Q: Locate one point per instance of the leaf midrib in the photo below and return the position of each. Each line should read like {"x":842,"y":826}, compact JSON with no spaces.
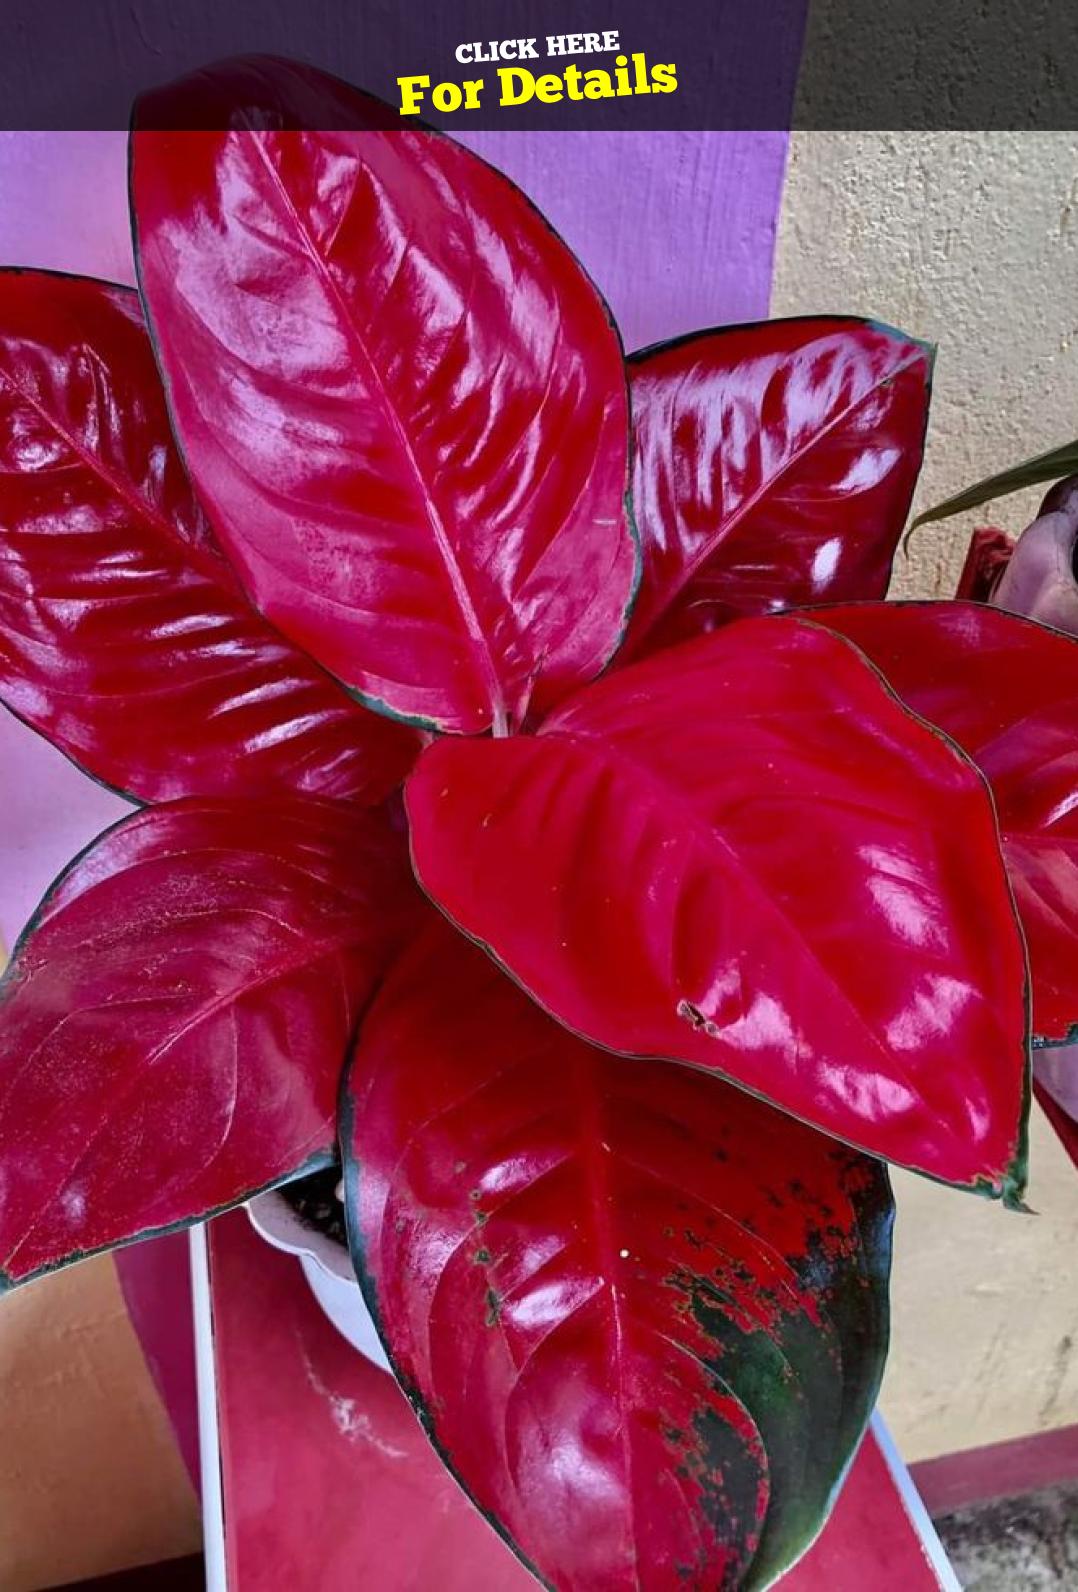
{"x":205,"y":562}
{"x":597,"y":1174}
{"x":714,"y":839}
{"x":313,"y":955}
{"x":711,"y":545}
{"x":457,"y":581}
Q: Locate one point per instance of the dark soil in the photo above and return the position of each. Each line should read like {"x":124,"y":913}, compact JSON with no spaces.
{"x":1027,"y":1544}
{"x":315,"y":1203}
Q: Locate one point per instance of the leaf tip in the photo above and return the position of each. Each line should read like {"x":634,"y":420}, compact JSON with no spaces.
{"x":896,"y":334}
{"x":1013,"y":1190}
{"x":1010,"y":1188}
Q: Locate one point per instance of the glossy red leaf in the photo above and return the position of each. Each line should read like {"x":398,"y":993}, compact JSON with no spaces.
{"x":987,"y":556}
{"x":174,"y":1021}
{"x":1006,"y":689}
{"x":774,"y":467}
{"x":745,"y":854}
{"x":642,"y":1315}
{"x":124,"y":637}
{"x":399,"y":395}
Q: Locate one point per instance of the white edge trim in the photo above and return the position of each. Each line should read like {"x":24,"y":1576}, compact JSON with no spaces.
{"x":209,"y":1450}
{"x":213,"y":1524}
{"x":913,"y":1504}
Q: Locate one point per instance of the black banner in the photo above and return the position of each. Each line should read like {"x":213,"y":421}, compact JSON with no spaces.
{"x":607,"y":65}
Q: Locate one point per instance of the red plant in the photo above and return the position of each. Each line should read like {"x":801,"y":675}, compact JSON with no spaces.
{"x":641,"y":1311}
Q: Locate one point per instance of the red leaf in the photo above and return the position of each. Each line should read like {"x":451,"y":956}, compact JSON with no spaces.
{"x":774,"y":467}
{"x":987,"y":557}
{"x":642,"y":1316}
{"x":123,"y":635}
{"x":399,"y":395}
{"x":176,"y":1017}
{"x":1006,"y":689}
{"x":746,"y":855}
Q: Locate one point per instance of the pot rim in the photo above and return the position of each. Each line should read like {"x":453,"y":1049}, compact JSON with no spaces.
{"x":273,"y":1219}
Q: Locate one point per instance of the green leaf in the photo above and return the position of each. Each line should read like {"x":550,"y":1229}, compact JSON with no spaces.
{"x":641,"y":1315}
{"x":1045,"y":467}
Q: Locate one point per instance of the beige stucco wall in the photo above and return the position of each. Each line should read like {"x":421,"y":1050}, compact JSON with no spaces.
{"x":91,"y":1479}
{"x":969,"y":240}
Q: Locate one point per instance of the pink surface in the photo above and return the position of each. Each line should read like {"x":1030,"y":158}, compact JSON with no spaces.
{"x":869,"y":1541}
{"x":63,"y":203}
{"x":304,"y":1419}
{"x":999,"y":1470}
{"x":328,"y":1481}
{"x":156,"y":1281}
{"x":50,"y":812}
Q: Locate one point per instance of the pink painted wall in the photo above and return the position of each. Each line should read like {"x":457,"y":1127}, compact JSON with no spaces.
{"x":677,"y":228}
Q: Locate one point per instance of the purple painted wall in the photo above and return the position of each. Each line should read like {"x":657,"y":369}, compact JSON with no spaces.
{"x":677,"y":229}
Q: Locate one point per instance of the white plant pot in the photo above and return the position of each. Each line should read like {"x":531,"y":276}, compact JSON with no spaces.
{"x":326,"y":1267}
